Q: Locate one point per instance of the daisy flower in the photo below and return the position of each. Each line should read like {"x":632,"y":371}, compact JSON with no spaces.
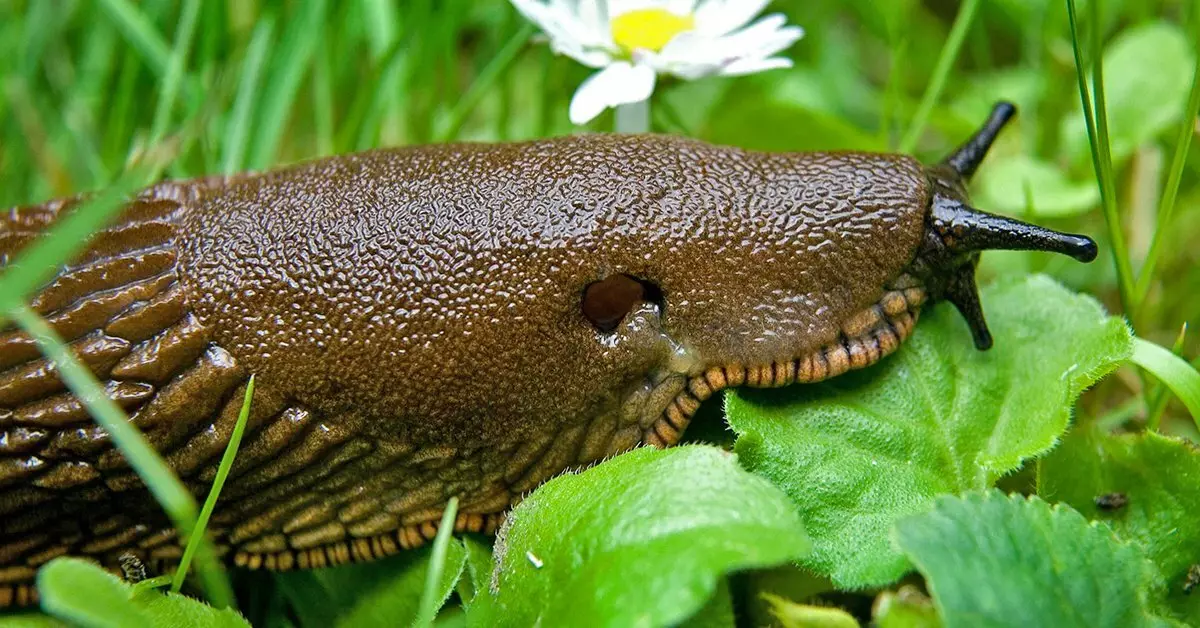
{"x":631,"y":42}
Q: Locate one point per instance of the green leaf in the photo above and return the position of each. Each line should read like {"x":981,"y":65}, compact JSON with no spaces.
{"x":479,"y":570}
{"x":996,"y":560}
{"x":1004,"y":183}
{"x":82,"y":593}
{"x":170,"y":610}
{"x":1160,"y":479}
{"x":1181,"y":377}
{"x":864,"y":449}
{"x":640,"y":540}
{"x":1148,"y":72}
{"x":379,"y":593}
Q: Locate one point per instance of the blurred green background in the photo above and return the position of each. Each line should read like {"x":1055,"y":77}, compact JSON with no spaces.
{"x":90,"y":86}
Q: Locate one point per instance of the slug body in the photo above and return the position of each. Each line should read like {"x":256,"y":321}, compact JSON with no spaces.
{"x":460,"y":320}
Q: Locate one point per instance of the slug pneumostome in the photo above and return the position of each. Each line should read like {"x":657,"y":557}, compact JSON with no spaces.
{"x":461,"y":320}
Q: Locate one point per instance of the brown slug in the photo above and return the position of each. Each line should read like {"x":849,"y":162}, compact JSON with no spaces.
{"x":460,"y":320}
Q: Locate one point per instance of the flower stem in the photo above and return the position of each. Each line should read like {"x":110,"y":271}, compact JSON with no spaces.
{"x":633,"y":117}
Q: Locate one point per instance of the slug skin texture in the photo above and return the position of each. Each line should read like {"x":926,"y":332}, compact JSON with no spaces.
{"x":460,"y":320}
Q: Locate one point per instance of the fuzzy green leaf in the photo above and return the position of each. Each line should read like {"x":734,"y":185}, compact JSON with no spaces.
{"x":640,"y":540}
{"x":864,"y":449}
{"x":82,"y":593}
{"x":379,"y":593}
{"x":996,"y":560}
{"x":1159,"y":479}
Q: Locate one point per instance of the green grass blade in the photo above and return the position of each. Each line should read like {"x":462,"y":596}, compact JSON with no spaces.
{"x":1112,"y":216}
{"x":950,"y":50}
{"x":247,"y":95}
{"x":323,"y":100}
{"x":1158,"y":396}
{"x":37,"y":263}
{"x":1096,"y":118}
{"x":381,"y":24}
{"x":167,"y":489}
{"x":152,"y":583}
{"x":1182,"y":378}
{"x":488,"y":77}
{"x":292,"y":58}
{"x":33,"y":133}
{"x":140,"y":32}
{"x":387,"y":80}
{"x":176,"y":69}
{"x":118,"y":119}
{"x":231,"y":449}
{"x":430,"y":596}
{"x":1166,"y":206}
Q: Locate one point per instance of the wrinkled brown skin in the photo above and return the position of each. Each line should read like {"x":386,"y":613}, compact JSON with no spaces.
{"x":413,"y":319}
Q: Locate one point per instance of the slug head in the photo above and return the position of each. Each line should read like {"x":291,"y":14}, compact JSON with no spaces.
{"x":956,"y":233}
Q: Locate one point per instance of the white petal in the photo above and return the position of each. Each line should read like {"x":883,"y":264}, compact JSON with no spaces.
{"x":592,"y":58}
{"x":535,"y":12}
{"x":751,"y":66}
{"x":680,"y":7}
{"x":750,"y":35}
{"x":759,"y":41}
{"x":719,"y":17}
{"x":621,"y":7}
{"x":688,"y":46}
{"x":616,"y":84}
{"x":637,"y":86}
{"x":689,"y":55}
{"x":593,"y":15}
{"x":570,"y":32}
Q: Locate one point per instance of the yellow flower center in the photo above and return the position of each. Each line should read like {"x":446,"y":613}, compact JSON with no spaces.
{"x":648,"y":29}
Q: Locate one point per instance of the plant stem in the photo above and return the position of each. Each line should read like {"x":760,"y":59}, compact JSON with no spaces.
{"x":430,"y":597}
{"x":1166,"y":207}
{"x":162,"y":483}
{"x":633,"y":117}
{"x":954,"y":41}
{"x":491,"y":74}
{"x":210,"y":503}
{"x":1095,"y":117}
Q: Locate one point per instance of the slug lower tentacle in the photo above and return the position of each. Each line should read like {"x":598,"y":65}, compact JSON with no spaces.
{"x":462,"y":320}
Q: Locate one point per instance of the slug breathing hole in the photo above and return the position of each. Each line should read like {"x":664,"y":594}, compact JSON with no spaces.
{"x":607,"y":302}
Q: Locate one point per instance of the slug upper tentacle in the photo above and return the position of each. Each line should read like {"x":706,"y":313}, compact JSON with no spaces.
{"x":462,"y":320}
